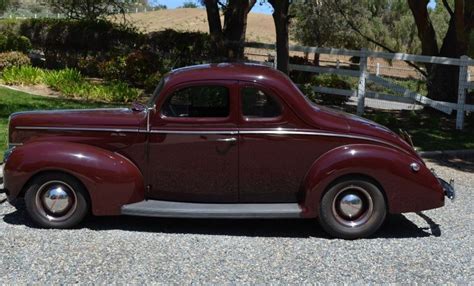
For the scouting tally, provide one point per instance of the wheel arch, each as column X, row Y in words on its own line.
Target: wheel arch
column 404, row 190
column 111, row 179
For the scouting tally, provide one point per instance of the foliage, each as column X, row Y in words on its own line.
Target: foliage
column 23, row 75
column 13, row 59
column 70, row 83
column 10, row 42
column 79, row 36
column 318, row 23
column 331, row 81
column 190, row 4
column 89, row 9
column 136, row 68
column 180, row 49
column 328, row 23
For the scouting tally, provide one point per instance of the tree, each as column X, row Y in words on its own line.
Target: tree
column 281, row 19
column 443, row 80
column 318, row 24
column 190, row 4
column 89, row 9
column 228, row 39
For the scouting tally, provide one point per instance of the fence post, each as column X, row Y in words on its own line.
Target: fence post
column 338, row 64
column 461, row 93
column 275, row 63
column 377, row 72
column 362, row 81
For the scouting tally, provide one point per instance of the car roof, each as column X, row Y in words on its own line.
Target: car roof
column 226, row 71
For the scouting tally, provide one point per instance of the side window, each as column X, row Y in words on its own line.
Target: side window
column 258, row 104
column 198, row 101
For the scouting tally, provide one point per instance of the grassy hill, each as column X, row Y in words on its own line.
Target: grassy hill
column 260, row 27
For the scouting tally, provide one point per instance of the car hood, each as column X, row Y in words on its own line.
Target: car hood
column 79, row 118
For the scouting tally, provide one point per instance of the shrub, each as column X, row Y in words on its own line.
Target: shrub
column 11, row 42
column 136, row 68
column 23, row 75
column 13, row 59
column 180, row 48
column 60, row 80
column 152, row 82
column 75, row 35
column 332, row 81
column 113, row 69
column 139, row 65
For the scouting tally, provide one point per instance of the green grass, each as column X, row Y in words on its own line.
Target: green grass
column 70, row 83
column 13, row 101
column 430, row 130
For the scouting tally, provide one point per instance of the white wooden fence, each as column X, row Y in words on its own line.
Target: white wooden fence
column 405, row 95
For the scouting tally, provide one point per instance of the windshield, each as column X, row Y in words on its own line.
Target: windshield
column 157, row 92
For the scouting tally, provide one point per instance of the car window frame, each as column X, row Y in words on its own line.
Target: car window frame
column 268, row 92
column 169, row 92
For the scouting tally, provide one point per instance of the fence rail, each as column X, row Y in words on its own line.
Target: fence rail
column 405, row 95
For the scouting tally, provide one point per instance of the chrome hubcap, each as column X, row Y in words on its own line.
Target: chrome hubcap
column 56, row 200
column 352, row 206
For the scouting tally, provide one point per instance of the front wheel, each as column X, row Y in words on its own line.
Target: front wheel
column 56, row 200
column 353, row 208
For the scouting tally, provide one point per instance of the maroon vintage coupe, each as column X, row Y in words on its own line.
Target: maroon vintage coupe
column 217, row 141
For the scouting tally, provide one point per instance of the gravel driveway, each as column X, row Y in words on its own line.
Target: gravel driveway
column 434, row 247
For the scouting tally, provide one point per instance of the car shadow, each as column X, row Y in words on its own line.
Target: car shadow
column 459, row 163
column 396, row 226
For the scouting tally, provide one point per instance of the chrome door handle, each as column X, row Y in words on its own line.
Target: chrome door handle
column 230, row 140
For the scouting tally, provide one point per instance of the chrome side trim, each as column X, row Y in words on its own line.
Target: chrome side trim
column 315, row 133
column 14, row 145
column 178, row 132
column 75, row 129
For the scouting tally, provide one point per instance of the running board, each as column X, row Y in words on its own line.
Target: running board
column 152, row 208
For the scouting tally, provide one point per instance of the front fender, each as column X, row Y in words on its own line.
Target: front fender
column 111, row 179
column 404, row 189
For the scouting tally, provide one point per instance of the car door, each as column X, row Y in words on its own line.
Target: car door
column 273, row 159
column 193, row 148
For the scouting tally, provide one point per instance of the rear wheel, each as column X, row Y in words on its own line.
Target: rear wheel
column 353, row 208
column 56, row 200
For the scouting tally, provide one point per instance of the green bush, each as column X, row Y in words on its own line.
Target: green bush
column 13, row 59
column 75, row 35
column 113, row 69
column 332, row 81
column 60, row 80
column 10, row 42
column 23, row 75
column 152, row 82
column 179, row 49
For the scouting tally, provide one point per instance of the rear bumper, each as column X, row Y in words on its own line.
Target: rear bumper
column 448, row 189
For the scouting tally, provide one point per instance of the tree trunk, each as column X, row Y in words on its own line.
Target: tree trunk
column 443, row 80
column 235, row 27
column 229, row 41
column 215, row 27
column 281, row 19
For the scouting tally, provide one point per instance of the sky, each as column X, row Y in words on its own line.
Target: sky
column 259, row 8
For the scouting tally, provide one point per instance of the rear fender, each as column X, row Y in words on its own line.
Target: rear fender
column 405, row 190
column 110, row 179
